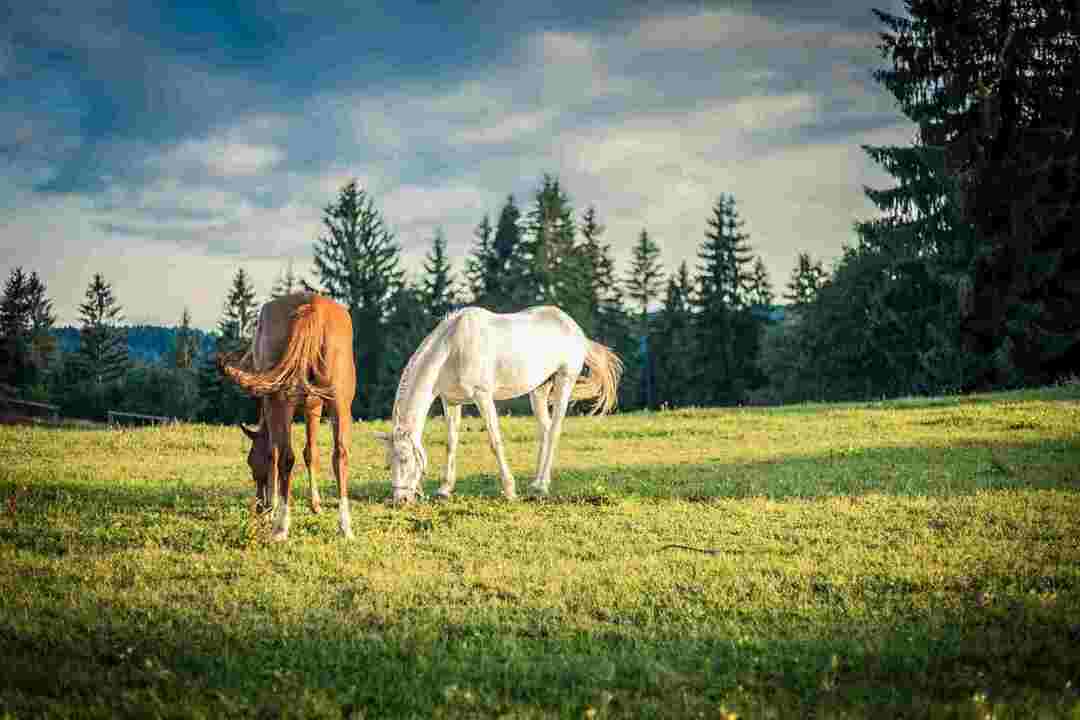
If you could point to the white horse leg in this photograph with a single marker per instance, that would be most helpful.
(539, 398)
(342, 428)
(485, 402)
(564, 386)
(453, 422)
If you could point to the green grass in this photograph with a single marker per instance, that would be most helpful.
(917, 558)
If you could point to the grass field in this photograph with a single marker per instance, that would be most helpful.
(916, 558)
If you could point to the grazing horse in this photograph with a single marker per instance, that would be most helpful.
(302, 354)
(476, 356)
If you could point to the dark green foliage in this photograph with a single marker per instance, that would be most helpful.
(728, 331)
(643, 284)
(481, 267)
(497, 268)
(557, 269)
(807, 277)
(676, 343)
(759, 291)
(408, 323)
(288, 282)
(27, 349)
(221, 400)
(102, 356)
(357, 263)
(438, 287)
(186, 342)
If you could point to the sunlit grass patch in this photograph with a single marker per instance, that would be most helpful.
(917, 557)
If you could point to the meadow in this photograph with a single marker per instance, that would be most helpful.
(913, 558)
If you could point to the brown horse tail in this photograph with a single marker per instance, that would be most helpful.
(602, 382)
(291, 373)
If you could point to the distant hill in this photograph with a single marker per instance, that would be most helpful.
(150, 344)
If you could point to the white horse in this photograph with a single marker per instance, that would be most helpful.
(476, 356)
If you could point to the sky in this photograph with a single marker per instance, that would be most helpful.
(165, 145)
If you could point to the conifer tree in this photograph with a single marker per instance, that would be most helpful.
(438, 288)
(222, 400)
(510, 287)
(239, 315)
(643, 285)
(103, 355)
(806, 279)
(759, 290)
(357, 261)
(186, 343)
(676, 350)
(288, 282)
(727, 332)
(558, 272)
(15, 328)
(481, 267)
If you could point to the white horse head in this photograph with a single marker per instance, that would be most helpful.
(407, 461)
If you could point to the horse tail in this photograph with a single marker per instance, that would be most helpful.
(602, 382)
(299, 361)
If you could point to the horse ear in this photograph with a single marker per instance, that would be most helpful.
(252, 434)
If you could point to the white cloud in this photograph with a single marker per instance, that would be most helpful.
(221, 157)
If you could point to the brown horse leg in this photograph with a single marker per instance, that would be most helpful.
(342, 426)
(281, 438)
(312, 414)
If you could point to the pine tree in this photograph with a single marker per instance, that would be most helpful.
(993, 89)
(644, 281)
(357, 261)
(240, 313)
(288, 282)
(439, 288)
(510, 287)
(729, 336)
(643, 285)
(222, 400)
(44, 349)
(759, 291)
(186, 342)
(557, 271)
(602, 287)
(806, 279)
(15, 329)
(481, 267)
(676, 351)
(103, 353)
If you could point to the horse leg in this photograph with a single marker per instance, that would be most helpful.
(564, 385)
(284, 459)
(342, 427)
(453, 423)
(485, 402)
(312, 415)
(538, 398)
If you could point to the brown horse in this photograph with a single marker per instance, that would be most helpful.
(301, 356)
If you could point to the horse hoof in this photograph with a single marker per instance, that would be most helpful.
(278, 537)
(440, 496)
(316, 508)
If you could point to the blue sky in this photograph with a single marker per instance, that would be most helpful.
(167, 144)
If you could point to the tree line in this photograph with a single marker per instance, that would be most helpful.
(968, 278)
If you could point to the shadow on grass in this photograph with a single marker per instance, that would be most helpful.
(902, 471)
(153, 660)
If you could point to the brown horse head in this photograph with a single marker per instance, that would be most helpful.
(258, 460)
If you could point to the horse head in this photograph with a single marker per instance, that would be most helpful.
(259, 461)
(407, 461)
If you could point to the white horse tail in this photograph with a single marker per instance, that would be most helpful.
(602, 382)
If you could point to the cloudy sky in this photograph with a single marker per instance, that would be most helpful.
(166, 144)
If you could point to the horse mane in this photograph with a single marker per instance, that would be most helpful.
(410, 367)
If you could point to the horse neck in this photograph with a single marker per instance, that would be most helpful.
(416, 392)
